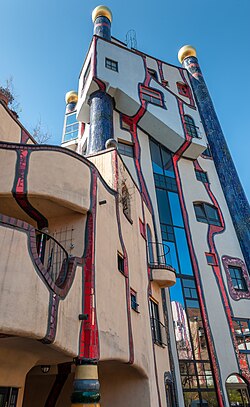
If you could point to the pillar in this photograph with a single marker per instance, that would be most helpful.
(86, 385)
(100, 102)
(230, 182)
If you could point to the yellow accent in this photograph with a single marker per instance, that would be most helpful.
(71, 96)
(86, 372)
(102, 11)
(186, 51)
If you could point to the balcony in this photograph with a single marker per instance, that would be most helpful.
(162, 273)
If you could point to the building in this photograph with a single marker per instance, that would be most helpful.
(124, 253)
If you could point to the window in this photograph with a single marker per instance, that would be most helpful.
(133, 299)
(150, 246)
(120, 262)
(207, 214)
(8, 396)
(190, 293)
(125, 200)
(239, 283)
(152, 96)
(71, 127)
(183, 89)
(110, 64)
(190, 126)
(201, 176)
(153, 73)
(242, 333)
(126, 149)
(86, 75)
(211, 259)
(158, 329)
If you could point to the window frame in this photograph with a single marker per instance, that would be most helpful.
(191, 128)
(204, 207)
(201, 176)
(238, 280)
(150, 95)
(120, 263)
(133, 303)
(122, 145)
(111, 64)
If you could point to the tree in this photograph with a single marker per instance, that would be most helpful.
(40, 134)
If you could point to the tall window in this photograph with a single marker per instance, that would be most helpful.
(190, 126)
(150, 246)
(207, 214)
(71, 127)
(155, 323)
(239, 283)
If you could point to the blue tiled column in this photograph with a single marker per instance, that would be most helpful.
(101, 121)
(230, 182)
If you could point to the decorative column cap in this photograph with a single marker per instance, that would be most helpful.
(71, 97)
(101, 11)
(186, 51)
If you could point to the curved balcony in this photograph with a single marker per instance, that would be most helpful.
(161, 272)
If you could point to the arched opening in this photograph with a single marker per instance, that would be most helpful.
(123, 385)
(238, 391)
(49, 385)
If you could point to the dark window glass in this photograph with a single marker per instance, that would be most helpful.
(133, 298)
(239, 283)
(171, 184)
(110, 64)
(160, 181)
(163, 206)
(201, 176)
(126, 149)
(167, 233)
(153, 73)
(120, 262)
(207, 214)
(150, 246)
(211, 259)
(190, 126)
(157, 327)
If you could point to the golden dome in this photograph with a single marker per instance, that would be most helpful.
(71, 97)
(186, 51)
(102, 11)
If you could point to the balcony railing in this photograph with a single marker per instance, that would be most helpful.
(159, 332)
(53, 256)
(158, 255)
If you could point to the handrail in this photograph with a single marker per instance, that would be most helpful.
(157, 254)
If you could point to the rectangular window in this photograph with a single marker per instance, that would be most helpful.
(201, 176)
(133, 299)
(236, 274)
(242, 333)
(207, 214)
(120, 262)
(211, 259)
(8, 396)
(126, 149)
(150, 95)
(71, 127)
(110, 64)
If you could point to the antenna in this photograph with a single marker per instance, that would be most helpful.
(131, 41)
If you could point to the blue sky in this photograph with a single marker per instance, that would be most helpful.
(43, 44)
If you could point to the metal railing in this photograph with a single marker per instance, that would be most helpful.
(159, 332)
(159, 255)
(53, 256)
